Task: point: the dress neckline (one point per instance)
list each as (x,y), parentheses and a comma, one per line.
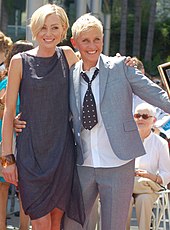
(40,57)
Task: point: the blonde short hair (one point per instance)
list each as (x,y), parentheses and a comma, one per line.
(39,16)
(84,23)
(151,109)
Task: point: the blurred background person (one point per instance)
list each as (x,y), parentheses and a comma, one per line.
(5,46)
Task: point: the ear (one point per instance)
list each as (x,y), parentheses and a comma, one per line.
(155,119)
(73,42)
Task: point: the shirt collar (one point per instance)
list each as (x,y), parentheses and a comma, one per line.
(97,66)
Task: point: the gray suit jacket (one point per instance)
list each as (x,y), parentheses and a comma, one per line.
(117,83)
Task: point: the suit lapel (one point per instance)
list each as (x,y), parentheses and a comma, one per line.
(103,76)
(76,82)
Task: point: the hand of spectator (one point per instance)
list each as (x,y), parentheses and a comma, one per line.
(142,173)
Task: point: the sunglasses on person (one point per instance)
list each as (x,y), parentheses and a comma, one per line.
(144,116)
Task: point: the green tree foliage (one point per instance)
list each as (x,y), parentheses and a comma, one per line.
(161,41)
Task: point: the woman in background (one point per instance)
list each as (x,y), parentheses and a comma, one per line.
(154,165)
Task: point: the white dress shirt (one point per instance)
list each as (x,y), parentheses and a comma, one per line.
(156,159)
(97,151)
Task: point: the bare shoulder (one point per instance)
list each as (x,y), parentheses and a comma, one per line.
(70,55)
(15,67)
(16,59)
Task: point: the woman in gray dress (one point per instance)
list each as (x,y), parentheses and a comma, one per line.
(45,164)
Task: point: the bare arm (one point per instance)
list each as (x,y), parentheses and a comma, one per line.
(70,55)
(149,175)
(2,102)
(14,78)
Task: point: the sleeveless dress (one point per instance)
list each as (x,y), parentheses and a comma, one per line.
(46,158)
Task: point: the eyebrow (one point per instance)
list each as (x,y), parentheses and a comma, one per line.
(55,24)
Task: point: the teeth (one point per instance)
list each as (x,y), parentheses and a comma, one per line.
(48,40)
(92,52)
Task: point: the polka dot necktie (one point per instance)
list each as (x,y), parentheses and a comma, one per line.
(89,106)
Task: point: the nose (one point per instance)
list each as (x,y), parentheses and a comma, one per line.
(91,44)
(48,32)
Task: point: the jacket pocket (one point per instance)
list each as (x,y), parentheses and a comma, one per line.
(130,125)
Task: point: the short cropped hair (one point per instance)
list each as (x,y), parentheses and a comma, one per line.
(149,107)
(39,16)
(84,23)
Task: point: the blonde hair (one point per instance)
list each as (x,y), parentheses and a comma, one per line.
(84,23)
(39,16)
(5,43)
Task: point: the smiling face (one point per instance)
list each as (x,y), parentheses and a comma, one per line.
(90,45)
(51,33)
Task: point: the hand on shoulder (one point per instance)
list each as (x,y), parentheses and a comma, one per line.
(129,61)
(70,55)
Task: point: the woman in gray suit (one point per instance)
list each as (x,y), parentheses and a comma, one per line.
(106,134)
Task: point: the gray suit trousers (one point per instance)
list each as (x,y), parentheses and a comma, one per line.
(114,187)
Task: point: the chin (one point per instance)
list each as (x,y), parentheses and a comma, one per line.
(141,127)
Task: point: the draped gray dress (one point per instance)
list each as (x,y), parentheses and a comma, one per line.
(46,158)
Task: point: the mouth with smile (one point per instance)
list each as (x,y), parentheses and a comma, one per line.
(48,40)
(92,52)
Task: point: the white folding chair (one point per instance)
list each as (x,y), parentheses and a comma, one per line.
(161,212)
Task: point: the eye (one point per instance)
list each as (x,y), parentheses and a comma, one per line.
(85,40)
(97,39)
(55,28)
(43,28)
